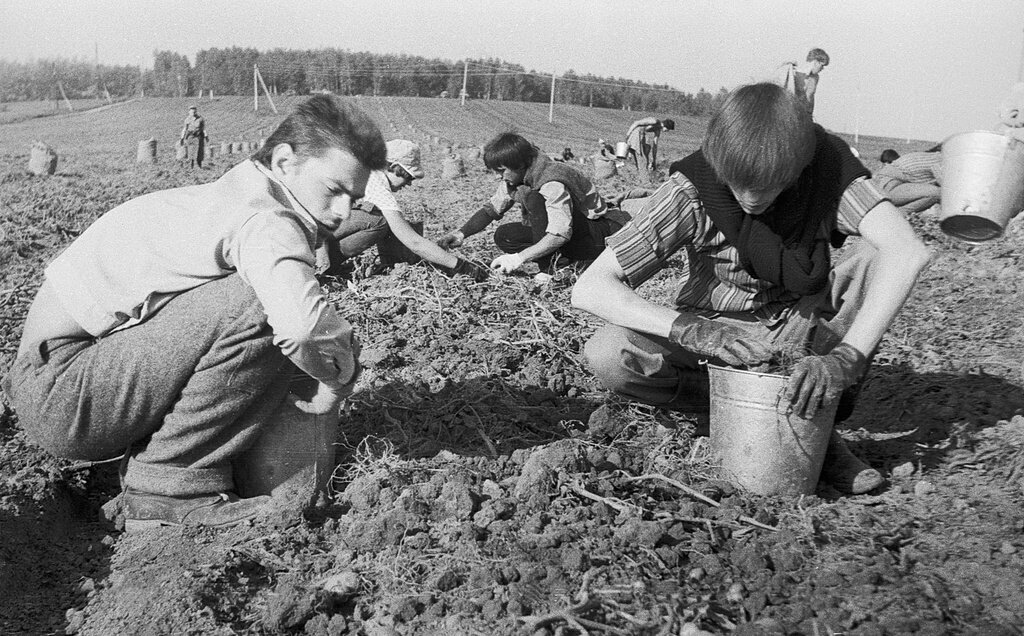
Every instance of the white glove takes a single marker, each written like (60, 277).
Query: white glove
(508, 263)
(502, 198)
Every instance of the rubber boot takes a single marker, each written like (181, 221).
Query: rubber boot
(845, 472)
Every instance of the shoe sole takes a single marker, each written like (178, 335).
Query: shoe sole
(140, 525)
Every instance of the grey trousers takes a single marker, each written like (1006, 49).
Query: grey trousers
(185, 391)
(655, 371)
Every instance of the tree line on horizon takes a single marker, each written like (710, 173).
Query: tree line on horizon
(229, 71)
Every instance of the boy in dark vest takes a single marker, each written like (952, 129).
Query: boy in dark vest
(752, 214)
(563, 214)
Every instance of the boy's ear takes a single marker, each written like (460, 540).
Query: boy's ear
(283, 158)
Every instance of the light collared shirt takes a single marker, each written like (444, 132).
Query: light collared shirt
(673, 223)
(135, 258)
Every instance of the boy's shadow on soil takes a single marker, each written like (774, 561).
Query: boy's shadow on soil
(475, 417)
(909, 414)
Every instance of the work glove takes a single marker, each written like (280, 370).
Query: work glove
(818, 380)
(477, 272)
(508, 263)
(716, 340)
(452, 240)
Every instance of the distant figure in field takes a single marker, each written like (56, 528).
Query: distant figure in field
(194, 138)
(911, 181)
(636, 138)
(802, 79)
(1011, 113)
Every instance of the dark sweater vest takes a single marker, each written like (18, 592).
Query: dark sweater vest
(544, 170)
(781, 245)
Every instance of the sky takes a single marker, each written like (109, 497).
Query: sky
(921, 69)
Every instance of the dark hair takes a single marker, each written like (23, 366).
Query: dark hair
(761, 138)
(509, 150)
(818, 55)
(668, 124)
(400, 172)
(322, 122)
(889, 155)
(935, 148)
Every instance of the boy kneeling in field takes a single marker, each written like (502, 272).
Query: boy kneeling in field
(172, 326)
(378, 214)
(753, 213)
(563, 214)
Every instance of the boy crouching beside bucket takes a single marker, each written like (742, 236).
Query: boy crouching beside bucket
(754, 212)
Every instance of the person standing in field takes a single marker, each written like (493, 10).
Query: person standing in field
(752, 214)
(636, 139)
(171, 327)
(912, 181)
(563, 215)
(802, 79)
(194, 138)
(379, 215)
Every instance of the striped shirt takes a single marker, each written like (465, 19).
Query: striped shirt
(913, 167)
(673, 223)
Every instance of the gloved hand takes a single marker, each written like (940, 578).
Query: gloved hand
(453, 239)
(818, 380)
(716, 340)
(508, 263)
(477, 272)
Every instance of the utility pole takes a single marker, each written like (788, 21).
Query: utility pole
(465, 76)
(1020, 69)
(255, 89)
(551, 106)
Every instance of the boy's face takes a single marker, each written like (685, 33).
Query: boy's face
(755, 202)
(328, 185)
(512, 177)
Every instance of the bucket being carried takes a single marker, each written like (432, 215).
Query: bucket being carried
(982, 184)
(622, 150)
(758, 443)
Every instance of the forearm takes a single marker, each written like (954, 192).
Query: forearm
(602, 291)
(546, 245)
(480, 220)
(891, 283)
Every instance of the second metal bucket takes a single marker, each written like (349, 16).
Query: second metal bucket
(621, 150)
(982, 184)
(759, 445)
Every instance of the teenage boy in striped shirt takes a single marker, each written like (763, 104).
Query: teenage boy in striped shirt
(752, 215)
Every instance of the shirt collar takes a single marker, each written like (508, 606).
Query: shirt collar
(300, 210)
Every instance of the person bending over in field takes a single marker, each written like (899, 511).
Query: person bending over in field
(636, 139)
(913, 181)
(378, 214)
(172, 325)
(753, 213)
(563, 214)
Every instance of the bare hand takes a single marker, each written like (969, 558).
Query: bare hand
(327, 400)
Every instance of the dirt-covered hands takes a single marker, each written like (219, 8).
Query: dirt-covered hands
(451, 240)
(716, 340)
(818, 380)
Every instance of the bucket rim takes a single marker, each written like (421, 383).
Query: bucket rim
(991, 133)
(719, 367)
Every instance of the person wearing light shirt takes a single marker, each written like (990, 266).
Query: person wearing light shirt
(563, 215)
(170, 329)
(379, 215)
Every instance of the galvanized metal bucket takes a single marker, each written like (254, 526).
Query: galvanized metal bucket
(292, 457)
(982, 184)
(621, 150)
(760, 446)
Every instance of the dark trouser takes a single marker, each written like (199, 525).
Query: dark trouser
(656, 371)
(361, 231)
(187, 390)
(585, 244)
(195, 149)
